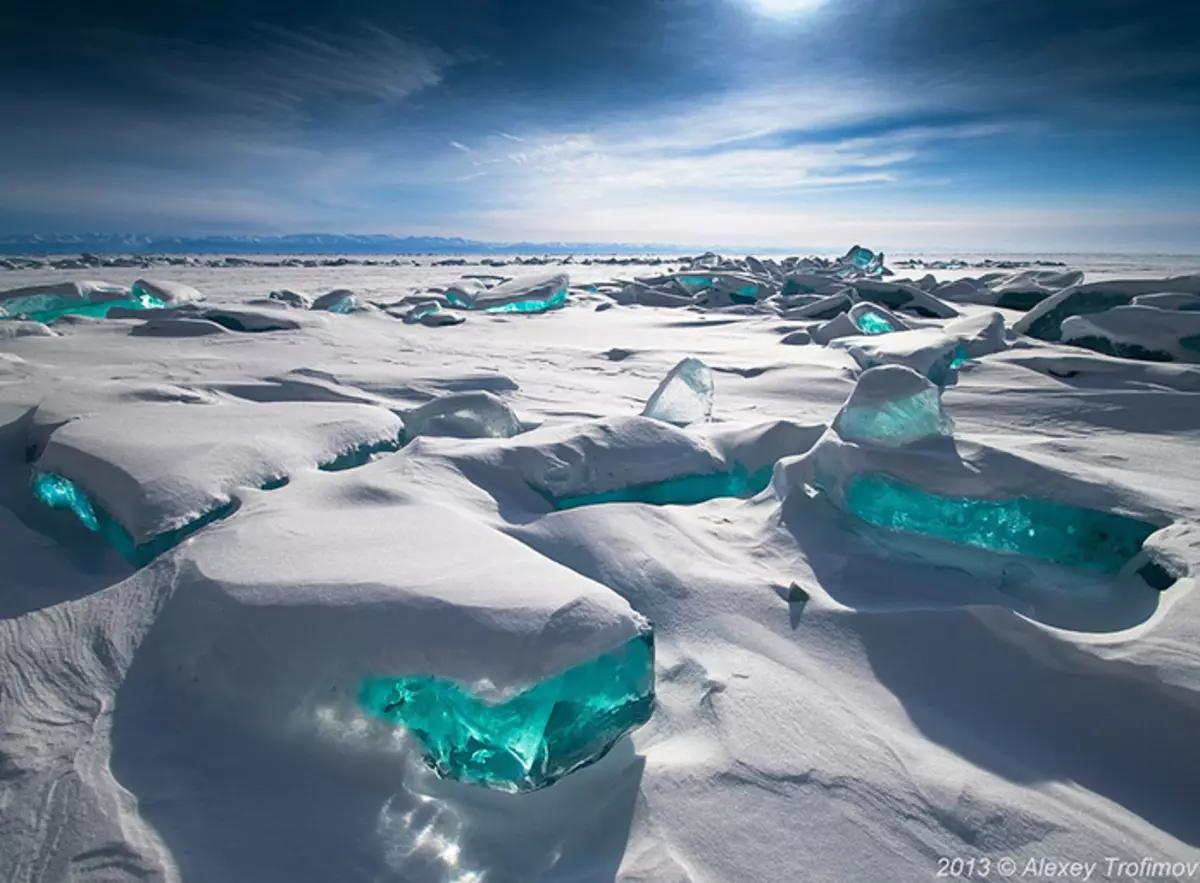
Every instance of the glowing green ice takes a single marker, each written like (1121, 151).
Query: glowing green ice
(1063, 534)
(873, 323)
(62, 493)
(532, 306)
(697, 282)
(685, 491)
(960, 358)
(532, 739)
(51, 309)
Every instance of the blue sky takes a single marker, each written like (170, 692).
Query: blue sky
(1026, 125)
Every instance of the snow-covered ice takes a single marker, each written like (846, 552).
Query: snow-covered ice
(836, 600)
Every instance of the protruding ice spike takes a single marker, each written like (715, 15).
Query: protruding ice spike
(892, 406)
(684, 396)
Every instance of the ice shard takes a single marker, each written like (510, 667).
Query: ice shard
(533, 294)
(529, 740)
(892, 406)
(1036, 528)
(872, 322)
(684, 396)
(474, 414)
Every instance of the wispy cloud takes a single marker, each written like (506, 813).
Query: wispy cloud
(284, 71)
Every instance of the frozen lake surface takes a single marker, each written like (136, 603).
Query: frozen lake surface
(946, 611)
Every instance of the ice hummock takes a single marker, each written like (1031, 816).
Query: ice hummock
(156, 467)
(165, 292)
(684, 396)
(1045, 320)
(891, 406)
(45, 303)
(532, 739)
(1137, 332)
(341, 300)
(530, 294)
(475, 414)
(381, 588)
(430, 313)
(929, 351)
(287, 296)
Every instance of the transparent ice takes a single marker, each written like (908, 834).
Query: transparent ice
(532, 739)
(684, 396)
(46, 308)
(1036, 528)
(873, 323)
(892, 406)
(62, 493)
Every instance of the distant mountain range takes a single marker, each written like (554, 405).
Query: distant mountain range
(306, 243)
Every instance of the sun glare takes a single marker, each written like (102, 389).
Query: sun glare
(784, 8)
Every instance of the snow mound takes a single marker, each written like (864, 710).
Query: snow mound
(431, 313)
(291, 298)
(169, 293)
(929, 351)
(156, 468)
(250, 319)
(23, 328)
(1138, 332)
(477, 414)
(980, 335)
(906, 298)
(1017, 291)
(529, 294)
(288, 648)
(341, 300)
(1169, 300)
(1045, 320)
(177, 326)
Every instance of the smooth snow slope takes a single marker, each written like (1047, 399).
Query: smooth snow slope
(832, 705)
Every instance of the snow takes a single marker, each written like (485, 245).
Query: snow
(837, 697)
(1138, 331)
(153, 482)
(172, 293)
